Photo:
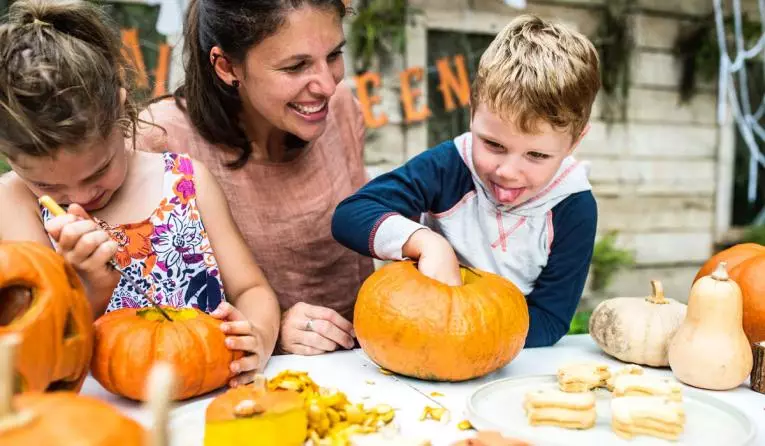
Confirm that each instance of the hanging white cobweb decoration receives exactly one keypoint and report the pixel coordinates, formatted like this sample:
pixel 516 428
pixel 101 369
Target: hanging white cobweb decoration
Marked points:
pixel 736 94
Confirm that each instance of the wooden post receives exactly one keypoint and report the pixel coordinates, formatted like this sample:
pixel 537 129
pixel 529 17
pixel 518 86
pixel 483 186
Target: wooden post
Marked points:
pixel 757 380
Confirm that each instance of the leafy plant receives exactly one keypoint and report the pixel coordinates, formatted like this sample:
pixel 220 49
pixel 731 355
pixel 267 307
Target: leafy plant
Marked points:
pixel 3 166
pixel 378 31
pixel 607 260
pixel 580 324
pixel 754 234
pixel 615 43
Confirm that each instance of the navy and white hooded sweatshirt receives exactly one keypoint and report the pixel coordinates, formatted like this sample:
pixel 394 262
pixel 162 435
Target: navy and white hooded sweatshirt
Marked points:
pixel 544 246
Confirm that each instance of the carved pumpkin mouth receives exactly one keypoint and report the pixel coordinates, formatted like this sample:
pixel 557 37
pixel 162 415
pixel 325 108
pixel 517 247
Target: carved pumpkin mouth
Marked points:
pixel 15 301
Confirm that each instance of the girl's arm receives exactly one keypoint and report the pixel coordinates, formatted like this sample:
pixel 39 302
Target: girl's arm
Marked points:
pixel 254 318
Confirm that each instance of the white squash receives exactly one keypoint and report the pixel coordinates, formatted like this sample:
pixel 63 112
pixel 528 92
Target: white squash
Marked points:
pixel 637 329
pixel 711 350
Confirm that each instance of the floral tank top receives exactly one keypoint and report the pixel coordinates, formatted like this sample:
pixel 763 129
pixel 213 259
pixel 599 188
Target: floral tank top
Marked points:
pixel 169 253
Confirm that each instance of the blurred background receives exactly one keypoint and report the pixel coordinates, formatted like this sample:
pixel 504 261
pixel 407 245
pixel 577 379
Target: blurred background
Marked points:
pixel 674 174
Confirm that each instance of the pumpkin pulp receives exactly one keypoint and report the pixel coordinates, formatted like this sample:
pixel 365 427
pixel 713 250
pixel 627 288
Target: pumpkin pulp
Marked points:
pixel 176 314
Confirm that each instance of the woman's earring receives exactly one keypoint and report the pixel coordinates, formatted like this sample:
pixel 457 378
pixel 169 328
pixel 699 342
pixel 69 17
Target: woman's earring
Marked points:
pixel 235 84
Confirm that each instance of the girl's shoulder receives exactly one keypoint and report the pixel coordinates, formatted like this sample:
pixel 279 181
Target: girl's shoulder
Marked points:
pixel 25 223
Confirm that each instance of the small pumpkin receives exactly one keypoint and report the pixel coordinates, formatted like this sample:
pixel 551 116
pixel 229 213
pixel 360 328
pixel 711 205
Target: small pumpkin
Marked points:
pixel 417 326
pixel 637 330
pixel 129 341
pixel 260 415
pixel 43 300
pixel 745 264
pixel 710 349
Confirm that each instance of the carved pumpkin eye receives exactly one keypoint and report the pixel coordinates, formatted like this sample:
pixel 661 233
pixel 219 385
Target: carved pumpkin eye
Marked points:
pixel 14 303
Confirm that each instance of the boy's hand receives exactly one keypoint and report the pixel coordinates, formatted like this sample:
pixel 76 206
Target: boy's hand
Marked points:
pixel 86 246
pixel 435 256
pixel 241 335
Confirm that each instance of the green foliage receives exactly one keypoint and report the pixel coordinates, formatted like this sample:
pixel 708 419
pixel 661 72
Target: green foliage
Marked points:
pixel 3 166
pixel 378 31
pixel 615 43
pixel 607 260
pixel 580 324
pixel 754 234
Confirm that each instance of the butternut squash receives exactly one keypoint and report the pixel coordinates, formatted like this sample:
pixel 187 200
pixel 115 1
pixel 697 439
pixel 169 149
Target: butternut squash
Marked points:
pixel 710 350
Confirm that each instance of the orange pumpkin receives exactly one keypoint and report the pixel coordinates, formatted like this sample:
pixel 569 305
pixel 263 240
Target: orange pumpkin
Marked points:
pixel 68 418
pixel 257 414
pixel 416 326
pixel 43 300
pixel 746 266
pixel 129 340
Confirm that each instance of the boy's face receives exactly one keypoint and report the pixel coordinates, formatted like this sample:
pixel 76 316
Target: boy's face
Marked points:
pixel 512 165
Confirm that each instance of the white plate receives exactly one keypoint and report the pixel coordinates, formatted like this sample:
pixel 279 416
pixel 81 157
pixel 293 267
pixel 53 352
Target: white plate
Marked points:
pixel 498 405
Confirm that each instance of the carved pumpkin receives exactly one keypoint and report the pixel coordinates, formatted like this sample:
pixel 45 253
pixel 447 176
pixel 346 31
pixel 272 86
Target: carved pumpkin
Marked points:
pixel 745 264
pixel 43 300
pixel 416 326
pixel 257 414
pixel 128 341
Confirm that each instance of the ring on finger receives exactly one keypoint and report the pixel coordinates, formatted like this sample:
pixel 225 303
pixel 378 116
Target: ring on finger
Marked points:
pixel 309 325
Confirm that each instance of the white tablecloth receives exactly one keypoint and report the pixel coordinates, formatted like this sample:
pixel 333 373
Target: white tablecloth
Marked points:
pixel 350 372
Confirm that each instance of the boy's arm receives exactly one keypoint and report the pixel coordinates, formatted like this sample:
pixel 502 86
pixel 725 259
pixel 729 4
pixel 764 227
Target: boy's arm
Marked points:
pixel 379 219
pixel 559 287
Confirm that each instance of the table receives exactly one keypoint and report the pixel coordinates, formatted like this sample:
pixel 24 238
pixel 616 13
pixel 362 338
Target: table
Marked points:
pixel 353 373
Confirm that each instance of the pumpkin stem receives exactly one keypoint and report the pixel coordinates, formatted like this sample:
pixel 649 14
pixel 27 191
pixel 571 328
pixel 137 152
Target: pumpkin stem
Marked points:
pixel 721 272
pixel 8 347
pixel 160 393
pixel 9 418
pixel 657 293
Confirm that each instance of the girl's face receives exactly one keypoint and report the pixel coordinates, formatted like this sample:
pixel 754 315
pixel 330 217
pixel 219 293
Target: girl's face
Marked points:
pixel 87 175
pixel 288 79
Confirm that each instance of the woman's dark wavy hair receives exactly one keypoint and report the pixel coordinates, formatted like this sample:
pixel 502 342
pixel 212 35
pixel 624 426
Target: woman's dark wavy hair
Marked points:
pixel 234 26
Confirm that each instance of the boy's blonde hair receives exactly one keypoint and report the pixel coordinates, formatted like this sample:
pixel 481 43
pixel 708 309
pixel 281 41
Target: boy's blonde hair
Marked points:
pixel 535 71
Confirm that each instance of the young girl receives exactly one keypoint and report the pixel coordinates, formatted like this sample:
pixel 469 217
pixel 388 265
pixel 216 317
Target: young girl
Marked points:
pixel 67 122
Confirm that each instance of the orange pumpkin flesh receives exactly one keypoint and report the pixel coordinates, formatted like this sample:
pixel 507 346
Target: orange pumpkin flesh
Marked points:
pixel 129 341
pixel 746 266
pixel 280 418
pixel 64 418
pixel 416 326
pixel 43 300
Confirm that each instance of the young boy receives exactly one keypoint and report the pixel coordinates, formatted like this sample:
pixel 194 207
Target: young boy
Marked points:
pixel 506 197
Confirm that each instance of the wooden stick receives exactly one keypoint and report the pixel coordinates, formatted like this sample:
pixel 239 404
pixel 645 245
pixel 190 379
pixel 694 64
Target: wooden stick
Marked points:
pixel 757 379
pixel 57 211
pixel 8 348
pixel 160 393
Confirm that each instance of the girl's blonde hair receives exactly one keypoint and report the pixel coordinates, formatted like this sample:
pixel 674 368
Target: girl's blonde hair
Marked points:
pixel 61 74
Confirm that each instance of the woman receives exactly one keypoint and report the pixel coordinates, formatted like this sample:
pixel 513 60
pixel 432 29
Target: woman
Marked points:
pixel 263 107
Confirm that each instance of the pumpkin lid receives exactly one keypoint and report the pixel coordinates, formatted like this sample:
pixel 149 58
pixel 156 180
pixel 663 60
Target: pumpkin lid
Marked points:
pixel 249 401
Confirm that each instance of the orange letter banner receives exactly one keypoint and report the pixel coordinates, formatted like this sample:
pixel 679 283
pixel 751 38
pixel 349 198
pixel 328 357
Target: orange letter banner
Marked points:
pixel 409 94
pixel 459 84
pixel 363 82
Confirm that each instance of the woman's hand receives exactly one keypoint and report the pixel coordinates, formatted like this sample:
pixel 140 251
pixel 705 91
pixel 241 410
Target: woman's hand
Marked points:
pixel 312 330
pixel 241 334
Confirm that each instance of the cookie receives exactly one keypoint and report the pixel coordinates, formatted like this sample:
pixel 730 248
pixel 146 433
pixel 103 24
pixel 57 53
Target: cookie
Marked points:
pixel 654 416
pixel 582 377
pixel 554 407
pixel 645 385
pixel 630 369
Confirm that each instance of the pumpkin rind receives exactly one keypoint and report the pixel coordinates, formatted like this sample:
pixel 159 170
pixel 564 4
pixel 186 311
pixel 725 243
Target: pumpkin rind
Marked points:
pixel 67 418
pixel 416 326
pixel 284 420
pixel 637 330
pixel 129 341
pixel 56 329
pixel 731 256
